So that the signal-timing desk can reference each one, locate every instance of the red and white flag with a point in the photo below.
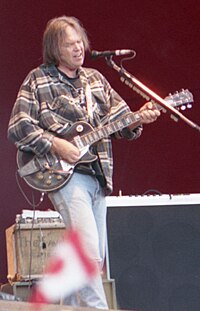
(68, 270)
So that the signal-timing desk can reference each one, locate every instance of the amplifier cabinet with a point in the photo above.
(29, 246)
(154, 251)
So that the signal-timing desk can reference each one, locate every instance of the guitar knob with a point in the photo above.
(48, 182)
(40, 176)
(58, 177)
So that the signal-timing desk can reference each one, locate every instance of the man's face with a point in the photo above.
(71, 50)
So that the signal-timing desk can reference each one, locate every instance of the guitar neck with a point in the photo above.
(110, 128)
(87, 139)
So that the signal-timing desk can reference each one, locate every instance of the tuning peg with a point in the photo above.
(183, 107)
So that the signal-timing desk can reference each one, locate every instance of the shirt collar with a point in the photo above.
(53, 71)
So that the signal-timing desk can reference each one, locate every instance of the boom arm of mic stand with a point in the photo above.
(148, 94)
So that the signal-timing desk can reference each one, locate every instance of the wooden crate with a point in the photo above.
(29, 246)
(28, 249)
(23, 291)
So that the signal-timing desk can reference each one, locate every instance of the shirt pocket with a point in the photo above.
(64, 109)
(63, 106)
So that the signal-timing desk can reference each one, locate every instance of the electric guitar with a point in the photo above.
(49, 173)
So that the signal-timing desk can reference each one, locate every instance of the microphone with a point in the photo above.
(96, 54)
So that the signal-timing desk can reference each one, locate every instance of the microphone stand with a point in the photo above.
(148, 94)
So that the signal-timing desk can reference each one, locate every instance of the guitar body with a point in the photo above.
(49, 172)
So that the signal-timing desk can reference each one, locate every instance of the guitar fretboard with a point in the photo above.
(108, 129)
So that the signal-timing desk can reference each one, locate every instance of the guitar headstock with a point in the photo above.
(182, 99)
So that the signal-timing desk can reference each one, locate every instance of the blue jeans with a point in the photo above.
(82, 205)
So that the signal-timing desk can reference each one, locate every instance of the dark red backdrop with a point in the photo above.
(165, 36)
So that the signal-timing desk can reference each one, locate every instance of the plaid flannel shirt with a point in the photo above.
(45, 105)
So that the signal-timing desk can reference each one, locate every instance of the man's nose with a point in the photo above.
(77, 46)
